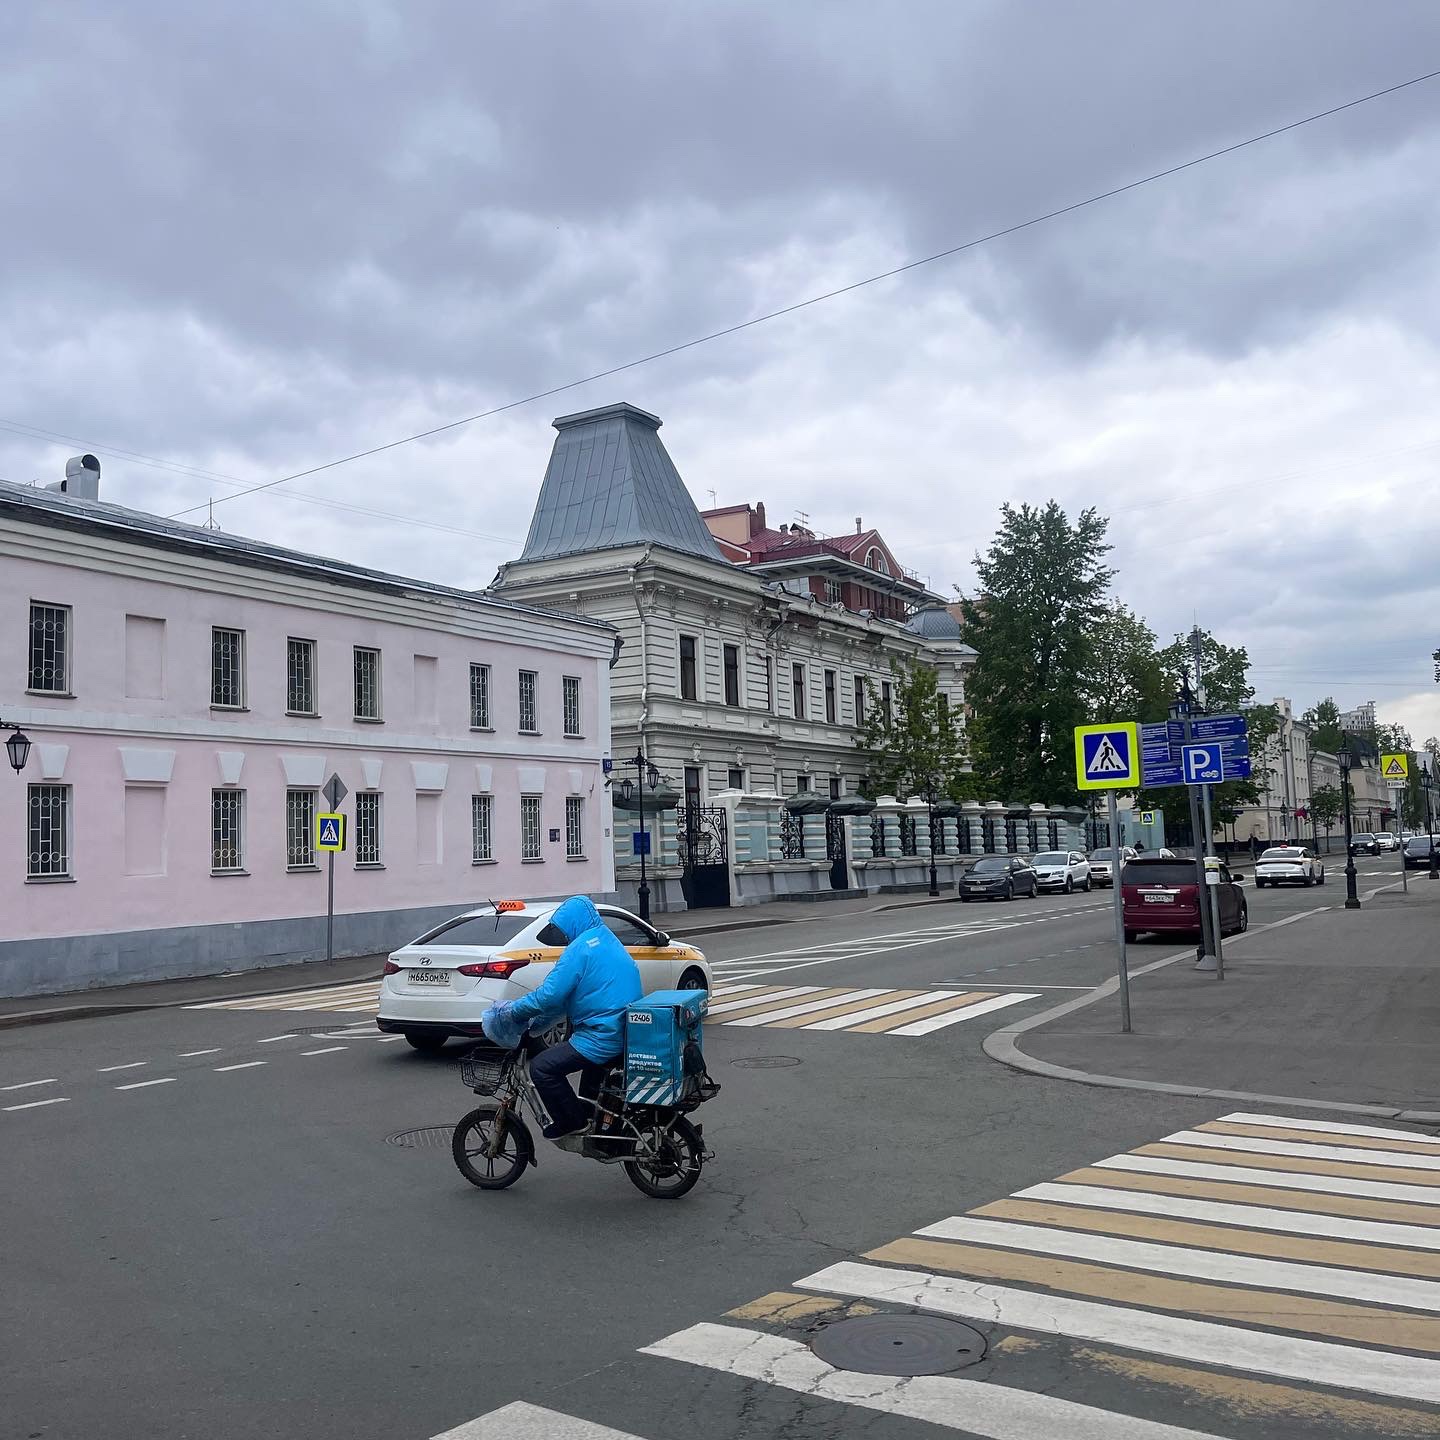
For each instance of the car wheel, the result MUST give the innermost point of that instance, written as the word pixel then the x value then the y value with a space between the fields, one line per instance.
pixel 1321 880
pixel 1131 936
pixel 426 1041
pixel 1069 884
pixel 557 1034
pixel 1242 921
pixel 964 899
pixel 1086 886
pixel 1009 892
pixel 1307 881
pixel 693 979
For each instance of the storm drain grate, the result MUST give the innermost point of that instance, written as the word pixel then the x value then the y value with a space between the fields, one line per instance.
pixel 765 1062
pixel 899 1345
pixel 431 1137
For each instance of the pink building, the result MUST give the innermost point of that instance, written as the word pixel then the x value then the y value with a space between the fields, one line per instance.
pixel 188 694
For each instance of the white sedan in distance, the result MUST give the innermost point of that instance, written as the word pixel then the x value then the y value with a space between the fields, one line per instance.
pixel 441 984
pixel 1065 870
pixel 1289 865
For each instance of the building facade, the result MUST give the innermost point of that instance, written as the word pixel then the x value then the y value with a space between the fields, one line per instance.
pixel 189 694
pixel 744 691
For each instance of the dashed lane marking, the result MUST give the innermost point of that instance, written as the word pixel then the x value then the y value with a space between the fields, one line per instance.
pixel 36 1104
pixel 29 1084
pixel 142 1084
pixel 247 1065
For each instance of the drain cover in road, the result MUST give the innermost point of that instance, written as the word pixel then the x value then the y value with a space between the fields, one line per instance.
pixel 433 1137
pixel 899 1345
pixel 765 1062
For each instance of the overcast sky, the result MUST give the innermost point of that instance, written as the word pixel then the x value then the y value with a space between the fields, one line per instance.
pixel 252 238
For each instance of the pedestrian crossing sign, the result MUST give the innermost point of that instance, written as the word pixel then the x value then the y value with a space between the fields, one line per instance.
pixel 329 832
pixel 1395 769
pixel 1107 757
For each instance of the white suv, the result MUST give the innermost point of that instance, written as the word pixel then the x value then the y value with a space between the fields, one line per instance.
pixel 1102 863
pixel 1065 870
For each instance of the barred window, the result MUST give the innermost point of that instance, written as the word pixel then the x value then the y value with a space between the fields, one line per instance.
pixel 50 648
pixel 529 827
pixel 227 668
pixel 367 683
pixel 367 827
pixel 48 848
pixel 528 721
pixel 300 677
pixel 574 826
pixel 300 807
pixel 482 814
pixel 479 697
pixel 227 830
pixel 572 704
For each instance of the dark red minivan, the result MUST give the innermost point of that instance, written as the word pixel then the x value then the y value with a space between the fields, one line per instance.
pixel 1159 895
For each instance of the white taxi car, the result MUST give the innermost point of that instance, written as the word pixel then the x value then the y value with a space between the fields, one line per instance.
pixel 1289 865
pixel 441 984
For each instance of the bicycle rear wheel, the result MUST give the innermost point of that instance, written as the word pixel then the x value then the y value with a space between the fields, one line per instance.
pixel 674 1169
pixel 484 1129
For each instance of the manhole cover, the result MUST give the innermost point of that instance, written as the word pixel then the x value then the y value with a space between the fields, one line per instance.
pixel 432 1137
pixel 899 1345
pixel 765 1062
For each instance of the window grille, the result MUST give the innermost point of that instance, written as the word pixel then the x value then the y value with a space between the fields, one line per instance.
pixel 49 648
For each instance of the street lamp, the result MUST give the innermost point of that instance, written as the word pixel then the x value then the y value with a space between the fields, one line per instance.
pixel 1427 781
pixel 645 773
pixel 17 748
pixel 930 798
pixel 1352 900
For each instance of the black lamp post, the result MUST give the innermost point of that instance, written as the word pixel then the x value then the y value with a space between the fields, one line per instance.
pixel 1352 900
pixel 930 798
pixel 17 748
pixel 646 773
pixel 1427 780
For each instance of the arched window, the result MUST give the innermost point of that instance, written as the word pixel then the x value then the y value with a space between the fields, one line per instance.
pixel 875 561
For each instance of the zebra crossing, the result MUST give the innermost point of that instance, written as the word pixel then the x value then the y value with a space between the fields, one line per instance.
pixel 865 1010
pixel 1262 1271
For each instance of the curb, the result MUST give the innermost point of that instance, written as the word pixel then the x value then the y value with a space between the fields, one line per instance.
pixel 1001 1045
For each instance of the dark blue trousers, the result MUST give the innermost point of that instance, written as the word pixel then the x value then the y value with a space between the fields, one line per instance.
pixel 551 1069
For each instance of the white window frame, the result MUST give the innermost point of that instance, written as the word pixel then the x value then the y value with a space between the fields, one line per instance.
pixel 375 860
pixel 305 797
pixel 311 651
pixel 35 871
pixel 379 695
pixel 482 829
pixel 834 594
pixel 574 827
pixel 239 703
pixel 479 696
pixel 533 728
pixel 570 687
pixel 66 618
pixel 223 797
pixel 530 811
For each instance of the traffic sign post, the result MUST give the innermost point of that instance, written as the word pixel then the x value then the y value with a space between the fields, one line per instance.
pixel 1108 758
pixel 1395 771
pixel 330 837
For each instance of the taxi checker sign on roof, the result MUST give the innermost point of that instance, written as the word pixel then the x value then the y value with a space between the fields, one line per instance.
pixel 1107 757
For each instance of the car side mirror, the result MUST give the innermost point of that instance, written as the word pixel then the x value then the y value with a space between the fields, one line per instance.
pixel 1239 880
pixel 661 938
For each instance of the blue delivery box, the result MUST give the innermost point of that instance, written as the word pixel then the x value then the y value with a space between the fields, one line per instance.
pixel 658 1027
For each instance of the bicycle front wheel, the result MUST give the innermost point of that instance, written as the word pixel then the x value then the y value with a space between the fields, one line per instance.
pixel 491 1150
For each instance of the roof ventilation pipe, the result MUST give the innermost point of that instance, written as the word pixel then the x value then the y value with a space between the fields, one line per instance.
pixel 82 478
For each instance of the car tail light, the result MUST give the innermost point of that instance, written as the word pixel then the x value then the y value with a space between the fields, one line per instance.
pixel 493 969
pixel 391 968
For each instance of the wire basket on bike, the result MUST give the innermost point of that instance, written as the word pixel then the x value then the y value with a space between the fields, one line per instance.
pixel 483 1071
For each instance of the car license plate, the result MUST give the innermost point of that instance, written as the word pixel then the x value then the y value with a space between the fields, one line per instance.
pixel 428 977
pixel 1159 899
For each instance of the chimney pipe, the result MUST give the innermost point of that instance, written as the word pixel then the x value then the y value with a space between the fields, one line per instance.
pixel 82 478
pixel 857 525
pixel 759 517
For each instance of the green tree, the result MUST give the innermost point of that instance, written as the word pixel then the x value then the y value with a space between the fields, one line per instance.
pixel 1326 806
pixel 916 741
pixel 1125 679
pixel 1041 581
pixel 1324 720
pixel 1392 739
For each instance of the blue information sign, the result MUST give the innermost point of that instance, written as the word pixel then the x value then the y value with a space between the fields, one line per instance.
pixel 640 843
pixel 1218 727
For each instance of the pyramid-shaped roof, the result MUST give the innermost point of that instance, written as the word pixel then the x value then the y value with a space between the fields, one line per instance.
pixel 610 483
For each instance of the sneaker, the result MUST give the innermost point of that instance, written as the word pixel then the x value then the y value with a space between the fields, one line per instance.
pixel 559 1132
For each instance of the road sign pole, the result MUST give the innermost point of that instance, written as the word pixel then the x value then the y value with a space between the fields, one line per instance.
pixel 1122 965
pixel 1204 960
pixel 1213 891
pixel 330 909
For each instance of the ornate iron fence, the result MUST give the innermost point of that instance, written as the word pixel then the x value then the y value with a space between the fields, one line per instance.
pixel 792 837
pixel 987 835
pixel 877 835
pixel 1012 840
pixel 702 838
pixel 1053 827
pixel 908 843
pixel 962 836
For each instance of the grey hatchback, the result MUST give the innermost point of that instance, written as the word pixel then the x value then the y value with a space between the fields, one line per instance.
pixel 998 877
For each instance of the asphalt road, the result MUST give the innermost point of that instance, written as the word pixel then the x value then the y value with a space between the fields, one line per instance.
pixel 206 1232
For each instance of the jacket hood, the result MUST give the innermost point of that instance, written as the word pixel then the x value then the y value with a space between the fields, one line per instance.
pixel 575 916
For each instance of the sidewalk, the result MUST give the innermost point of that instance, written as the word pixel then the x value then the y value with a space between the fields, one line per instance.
pixel 316 974
pixel 1336 1007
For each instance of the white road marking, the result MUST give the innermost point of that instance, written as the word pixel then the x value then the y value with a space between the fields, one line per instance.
pixel 1255 1217
pixel 777 996
pixel 133 1065
pixel 141 1084
pixel 876 1012
pixel 329 1051
pixel 248 1065
pixel 805 1007
pixel 1220 1266
pixel 388 1039
pixel 968 1012
pixel 978 1407
pixel 1279 1179
pixel 1298 1149
pixel 271 1039
pixel 36 1104
pixel 1330 1127
pixel 188 1054
pixel 29 1084
pixel 1316 1362
pixel 529 1422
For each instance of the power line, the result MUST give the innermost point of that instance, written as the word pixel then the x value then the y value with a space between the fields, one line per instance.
pixel 826 295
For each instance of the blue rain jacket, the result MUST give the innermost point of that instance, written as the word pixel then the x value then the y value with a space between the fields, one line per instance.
pixel 593 983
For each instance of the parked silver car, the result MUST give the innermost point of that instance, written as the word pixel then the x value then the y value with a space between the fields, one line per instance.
pixel 1065 870
pixel 1102 864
